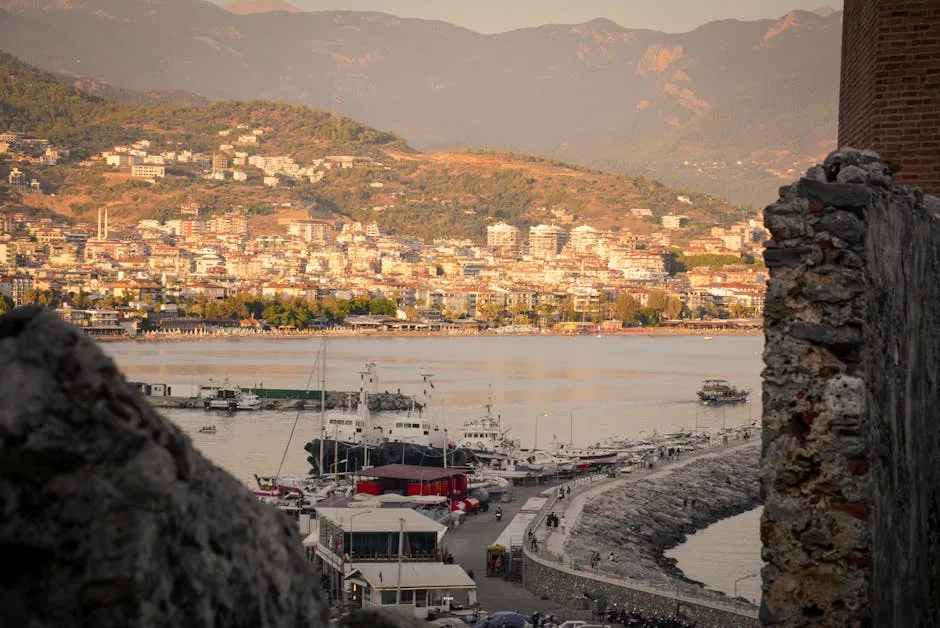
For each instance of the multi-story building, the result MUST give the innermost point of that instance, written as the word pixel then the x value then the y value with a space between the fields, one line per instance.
pixel 220 161
pixel 229 223
pixel 314 231
pixel 546 241
pixel 584 240
pixel 16 286
pixel 148 171
pixel 503 238
pixel 673 221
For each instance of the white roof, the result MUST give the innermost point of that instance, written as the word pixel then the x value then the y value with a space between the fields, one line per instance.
pixel 515 531
pixel 380 520
pixel 534 504
pixel 362 500
pixel 413 575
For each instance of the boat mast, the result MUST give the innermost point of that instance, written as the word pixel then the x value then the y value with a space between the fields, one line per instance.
pixel 364 413
pixel 444 427
pixel 322 405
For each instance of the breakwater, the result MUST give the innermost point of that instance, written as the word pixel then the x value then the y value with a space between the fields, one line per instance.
pixel 639 521
pixel 638 518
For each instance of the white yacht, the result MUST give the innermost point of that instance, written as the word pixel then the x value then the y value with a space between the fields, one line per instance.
pixel 586 457
pixel 228 398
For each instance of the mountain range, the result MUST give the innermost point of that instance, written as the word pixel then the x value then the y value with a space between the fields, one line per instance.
pixel 730 108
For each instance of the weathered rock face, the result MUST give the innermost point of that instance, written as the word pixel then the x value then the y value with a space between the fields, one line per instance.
pixel 851 461
pixel 111 518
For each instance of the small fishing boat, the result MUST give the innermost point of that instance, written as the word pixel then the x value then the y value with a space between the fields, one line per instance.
pixel 207 429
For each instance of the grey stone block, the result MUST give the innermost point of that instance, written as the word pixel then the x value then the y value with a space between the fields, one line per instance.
pixel 111 518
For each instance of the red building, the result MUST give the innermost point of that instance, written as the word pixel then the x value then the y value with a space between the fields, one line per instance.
pixel 409 480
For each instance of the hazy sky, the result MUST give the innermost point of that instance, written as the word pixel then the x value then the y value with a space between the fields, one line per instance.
pixel 489 16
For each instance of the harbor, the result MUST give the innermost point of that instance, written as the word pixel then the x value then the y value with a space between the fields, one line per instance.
pixel 462 529
pixel 513 453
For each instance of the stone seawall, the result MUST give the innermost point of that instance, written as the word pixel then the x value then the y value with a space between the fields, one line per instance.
pixel 639 518
pixel 639 521
pixel 560 583
pixel 851 462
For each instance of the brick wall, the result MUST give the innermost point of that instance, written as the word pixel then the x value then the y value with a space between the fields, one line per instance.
pixel 890 88
pixel 857 87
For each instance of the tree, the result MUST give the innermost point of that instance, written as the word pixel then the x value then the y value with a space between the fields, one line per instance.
pixel 45 298
pixel 566 310
pixel 81 300
pixel 649 317
pixel 490 312
pixel 657 300
pixel 626 308
pixel 6 304
pixel 674 307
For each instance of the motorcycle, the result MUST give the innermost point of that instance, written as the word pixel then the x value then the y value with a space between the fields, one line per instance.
pixel 499 515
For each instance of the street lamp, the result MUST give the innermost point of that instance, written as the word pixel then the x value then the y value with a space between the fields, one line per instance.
pixel 750 575
pixel 351 517
pixel 537 429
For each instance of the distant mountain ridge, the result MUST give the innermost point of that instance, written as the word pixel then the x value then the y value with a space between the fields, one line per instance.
pixel 685 108
pixel 247 7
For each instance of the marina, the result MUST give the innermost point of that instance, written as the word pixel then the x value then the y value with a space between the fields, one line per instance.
pixel 616 422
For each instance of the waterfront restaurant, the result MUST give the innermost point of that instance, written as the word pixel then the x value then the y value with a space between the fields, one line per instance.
pixel 416 587
pixel 342 537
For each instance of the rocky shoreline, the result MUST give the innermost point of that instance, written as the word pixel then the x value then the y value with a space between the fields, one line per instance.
pixel 640 520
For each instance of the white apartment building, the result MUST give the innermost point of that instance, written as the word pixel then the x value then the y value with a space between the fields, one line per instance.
pixel 584 239
pixel 310 230
pixel 148 171
pixel 546 241
pixel 503 238
pixel 672 221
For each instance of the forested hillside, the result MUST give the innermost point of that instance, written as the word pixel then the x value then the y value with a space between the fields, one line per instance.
pixel 428 195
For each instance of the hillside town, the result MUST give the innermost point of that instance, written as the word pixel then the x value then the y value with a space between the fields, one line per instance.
pixel 175 276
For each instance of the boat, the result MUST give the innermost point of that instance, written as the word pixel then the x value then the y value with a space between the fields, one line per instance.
pixel 228 398
pixel 207 429
pixel 586 458
pixel 485 436
pixel 716 391
pixel 385 438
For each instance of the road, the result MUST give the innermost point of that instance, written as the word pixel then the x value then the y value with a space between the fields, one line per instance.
pixel 468 544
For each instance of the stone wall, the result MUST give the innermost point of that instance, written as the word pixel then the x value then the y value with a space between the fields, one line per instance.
pixel 565 585
pixel 851 467
pixel 111 518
